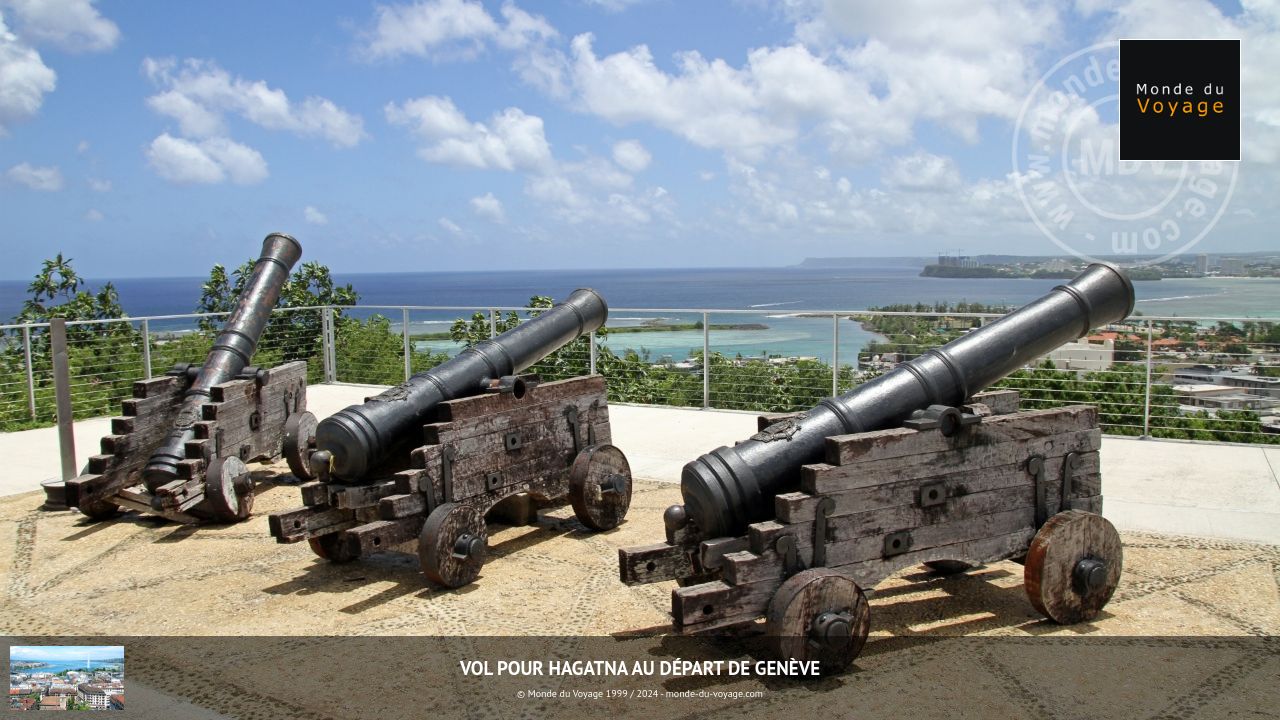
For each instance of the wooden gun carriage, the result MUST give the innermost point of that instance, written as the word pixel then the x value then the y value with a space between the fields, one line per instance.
pixel 521 447
pixel 246 419
pixel 951 489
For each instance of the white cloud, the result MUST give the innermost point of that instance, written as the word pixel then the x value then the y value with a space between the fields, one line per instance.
pixel 71 25
pixel 708 103
pixel 444 28
pixel 858 75
pixel 82 147
pixel 206 162
pixel 93 215
pixel 314 216
pixel 99 185
pixel 1257 28
pixel 47 179
pixel 199 94
pixel 614 5
pixel 452 227
pixel 24 79
pixel 631 155
pixel 488 206
pixel 924 172
pixel 597 172
pixel 511 140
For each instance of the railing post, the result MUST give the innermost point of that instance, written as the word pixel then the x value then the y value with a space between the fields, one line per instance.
pixel 1146 401
pixel 591 338
pixel 31 376
pixel 326 339
pixel 493 323
pixel 405 322
pixel 835 355
pixel 146 349
pixel 706 361
pixel 62 394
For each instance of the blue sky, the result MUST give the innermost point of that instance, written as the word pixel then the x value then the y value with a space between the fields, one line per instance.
pixel 153 139
pixel 65 653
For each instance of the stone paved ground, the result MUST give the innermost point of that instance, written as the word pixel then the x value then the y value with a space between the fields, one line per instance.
pixel 1191 631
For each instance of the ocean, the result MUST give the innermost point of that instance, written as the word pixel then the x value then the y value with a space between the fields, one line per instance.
pixel 57 666
pixel 770 295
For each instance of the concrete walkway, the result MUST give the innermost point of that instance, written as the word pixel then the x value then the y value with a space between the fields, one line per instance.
pixel 1204 489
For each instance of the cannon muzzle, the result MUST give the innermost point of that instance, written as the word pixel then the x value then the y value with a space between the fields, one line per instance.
pixel 231 351
pixel 732 487
pixel 361 437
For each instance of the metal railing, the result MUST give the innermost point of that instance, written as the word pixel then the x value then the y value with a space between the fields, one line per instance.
pixel 1212 379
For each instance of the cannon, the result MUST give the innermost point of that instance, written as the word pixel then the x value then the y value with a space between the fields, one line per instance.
pixel 231 353
pixel 180 449
pixel 361 437
pixel 430 460
pixel 917 466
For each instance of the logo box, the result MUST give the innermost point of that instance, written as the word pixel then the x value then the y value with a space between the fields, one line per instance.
pixel 1179 99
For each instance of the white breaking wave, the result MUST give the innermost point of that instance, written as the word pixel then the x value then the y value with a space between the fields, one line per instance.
pixel 789 302
pixel 1182 297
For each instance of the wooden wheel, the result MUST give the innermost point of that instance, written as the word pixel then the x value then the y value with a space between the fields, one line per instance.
pixel 299 441
pixel 1073 566
pixel 331 547
pixel 947 567
pixel 228 489
pixel 600 487
pixel 452 545
pixel 819 614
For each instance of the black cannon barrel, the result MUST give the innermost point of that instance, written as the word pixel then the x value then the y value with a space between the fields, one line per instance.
pixel 732 487
pixel 361 436
pixel 231 351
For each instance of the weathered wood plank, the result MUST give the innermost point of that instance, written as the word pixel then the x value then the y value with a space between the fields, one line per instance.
pixel 653 563
pixel 393 507
pixel 314 493
pixel 290 526
pixel 381 535
pixel 591 411
pixel 1087 480
pixel 716 605
pixel 347 497
pixel 491 403
pixel 1001 402
pixel 900 442
pixel 747 567
pixel 162 385
pixel 825 479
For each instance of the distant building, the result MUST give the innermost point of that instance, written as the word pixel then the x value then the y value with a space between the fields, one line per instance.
pixel 1220 397
pixel 53 702
pixel 964 261
pixel 1268 386
pixel 1232 266
pixel 93 696
pixel 1084 356
pixel 1056 265
pixel 117 702
pixel 1202 264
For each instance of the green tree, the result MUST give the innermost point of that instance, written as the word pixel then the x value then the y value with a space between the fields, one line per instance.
pixel 97 352
pixel 295 329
